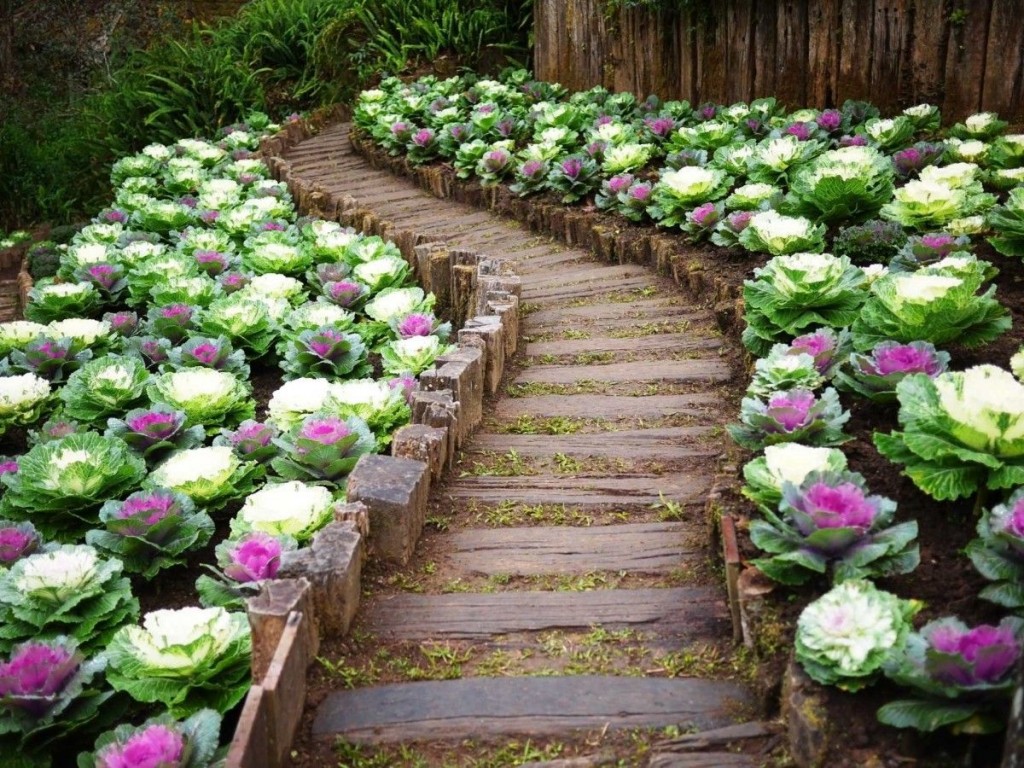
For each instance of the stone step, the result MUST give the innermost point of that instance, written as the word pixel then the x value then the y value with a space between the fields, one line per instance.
pixel 536 551
pixel 610 407
pixel 570 491
pixel 709 370
pixel 479 708
pixel 659 443
pixel 678 614
pixel 671 342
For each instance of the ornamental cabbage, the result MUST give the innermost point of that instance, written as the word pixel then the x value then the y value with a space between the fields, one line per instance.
pixel 845 636
pixel 105 387
pixel 1008 222
pixel 876 374
pixel 210 476
pixel 998 552
pixel 792 294
pixel 398 302
pixel 22 400
pixel 186 659
pixel 796 416
pixel 677 192
pixel 16 334
pixel 61 483
pixel 48 692
pixel 252 441
pixel 782 370
pixel 151 530
pixel 962 431
pixel 828 520
pixel 414 354
pixel 209 398
pixel 382 407
pixel 263 255
pixel 56 301
pixel 930 204
pixel 65 590
pixel 771 232
pixel 243 565
pixel 323 448
pixel 939 308
pixel 963 676
pixel 160 742
pixel 152 432
pixel 786 462
pixel 204 352
pixel 292 509
pixel 245 322
pixel 327 352
pixel 847 184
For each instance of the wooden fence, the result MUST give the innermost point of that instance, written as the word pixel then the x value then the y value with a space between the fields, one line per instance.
pixel 965 55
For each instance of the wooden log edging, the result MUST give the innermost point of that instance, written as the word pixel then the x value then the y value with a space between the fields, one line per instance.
pixel 387 495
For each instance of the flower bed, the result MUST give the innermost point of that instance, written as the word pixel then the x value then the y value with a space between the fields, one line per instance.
pixel 129 404
pixel 918 222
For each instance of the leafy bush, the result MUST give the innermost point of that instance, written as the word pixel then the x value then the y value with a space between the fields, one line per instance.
pixel 873 242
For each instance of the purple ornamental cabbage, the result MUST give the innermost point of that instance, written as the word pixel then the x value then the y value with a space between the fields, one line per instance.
pixel 827 347
pixel 962 676
pixel 922 250
pixel 232 282
pixel 908 162
pixel 8 466
pixel 803 131
pixel 154 432
pixel 706 111
pixel 171 322
pixel 830 521
pixel 151 349
pixel 157 746
pixel 123 323
pixel 49 358
pixel 797 415
pixel 634 201
pixel 323 447
pixel 659 128
pixel 607 196
pixel 701 221
pixel 420 324
pixel 327 351
pixel 206 352
pixel 108 279
pixel 151 530
pixel 212 263
pixel 830 120
pixel 209 217
pixel 344 293
pixel 17 540
pixel 252 441
pixel 113 216
pixel 857 140
pixel 876 374
pixel 37 675
pixel 531 177
pixel 254 557
pixel 998 552
pixel 574 177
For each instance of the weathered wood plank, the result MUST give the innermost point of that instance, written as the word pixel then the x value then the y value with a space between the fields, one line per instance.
pixel 699 405
pixel 1003 87
pixel 663 444
pixel 670 342
pixel 635 310
pixel 823 52
pixel 571 276
pixel 481 707
pixel 708 760
pixel 965 60
pixel 668 370
pixel 576 491
pixel 685 613
pixel 739 53
pixel 712 45
pixel 592 288
pixel 856 20
pixel 765 45
pixel 890 54
pixel 687 56
pixel 791 53
pixel 930 37
pixel 632 547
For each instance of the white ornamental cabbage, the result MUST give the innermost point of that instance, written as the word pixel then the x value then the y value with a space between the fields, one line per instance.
pixel 922 288
pixel 986 406
pixel 774 233
pixel 285 509
pixel 396 302
pixel 786 463
pixel 956 175
pixel 296 399
pixel 209 398
pixel 845 636
pixel 275 286
pixel 21 394
pixel 210 476
pixel 82 330
pixel 58 574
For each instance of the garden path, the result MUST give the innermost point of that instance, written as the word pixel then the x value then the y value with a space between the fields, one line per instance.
pixel 565 584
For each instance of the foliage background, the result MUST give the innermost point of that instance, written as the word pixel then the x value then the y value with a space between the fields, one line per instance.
pixel 83 82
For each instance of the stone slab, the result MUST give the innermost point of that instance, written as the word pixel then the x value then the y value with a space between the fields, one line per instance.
pixel 698 405
pixel 394 491
pixel 711 370
pixel 570 490
pixel 658 444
